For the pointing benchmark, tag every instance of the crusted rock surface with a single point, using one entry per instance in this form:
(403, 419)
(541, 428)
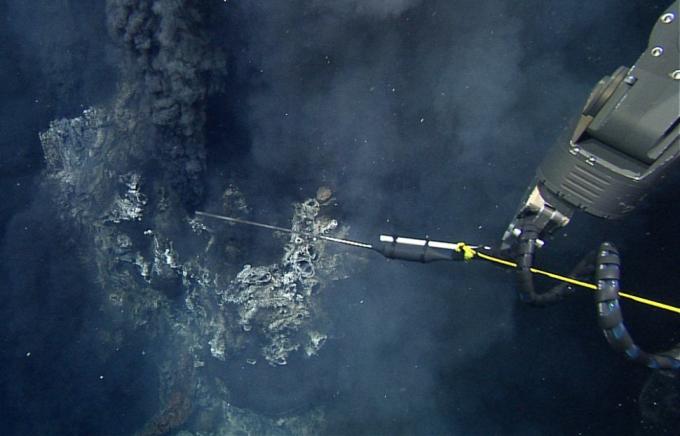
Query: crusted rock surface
(126, 176)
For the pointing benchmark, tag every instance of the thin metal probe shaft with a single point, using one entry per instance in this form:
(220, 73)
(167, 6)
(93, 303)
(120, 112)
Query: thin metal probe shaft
(283, 229)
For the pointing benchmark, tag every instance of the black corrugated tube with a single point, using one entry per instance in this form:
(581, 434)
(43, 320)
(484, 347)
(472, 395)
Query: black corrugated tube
(525, 258)
(609, 317)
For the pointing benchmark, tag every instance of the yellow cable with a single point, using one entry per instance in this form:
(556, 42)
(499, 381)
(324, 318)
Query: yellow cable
(466, 249)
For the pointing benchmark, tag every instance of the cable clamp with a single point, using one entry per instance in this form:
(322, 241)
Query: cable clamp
(468, 252)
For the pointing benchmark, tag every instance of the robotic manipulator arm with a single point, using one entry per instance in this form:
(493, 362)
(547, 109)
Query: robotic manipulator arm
(627, 137)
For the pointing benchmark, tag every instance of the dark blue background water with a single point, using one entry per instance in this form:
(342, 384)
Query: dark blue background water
(335, 95)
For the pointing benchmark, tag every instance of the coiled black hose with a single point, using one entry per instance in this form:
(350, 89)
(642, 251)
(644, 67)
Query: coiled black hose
(609, 317)
(526, 249)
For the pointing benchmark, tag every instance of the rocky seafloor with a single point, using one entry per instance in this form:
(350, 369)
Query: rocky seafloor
(163, 271)
(126, 178)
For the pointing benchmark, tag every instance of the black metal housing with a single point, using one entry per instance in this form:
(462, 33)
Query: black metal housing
(628, 134)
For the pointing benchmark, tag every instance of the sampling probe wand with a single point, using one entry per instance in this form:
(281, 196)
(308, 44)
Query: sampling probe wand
(393, 247)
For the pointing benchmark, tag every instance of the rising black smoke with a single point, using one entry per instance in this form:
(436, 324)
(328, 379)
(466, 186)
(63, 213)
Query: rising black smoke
(423, 116)
(153, 88)
(169, 63)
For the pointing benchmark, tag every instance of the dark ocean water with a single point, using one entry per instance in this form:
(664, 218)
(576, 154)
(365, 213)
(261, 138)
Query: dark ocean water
(426, 117)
